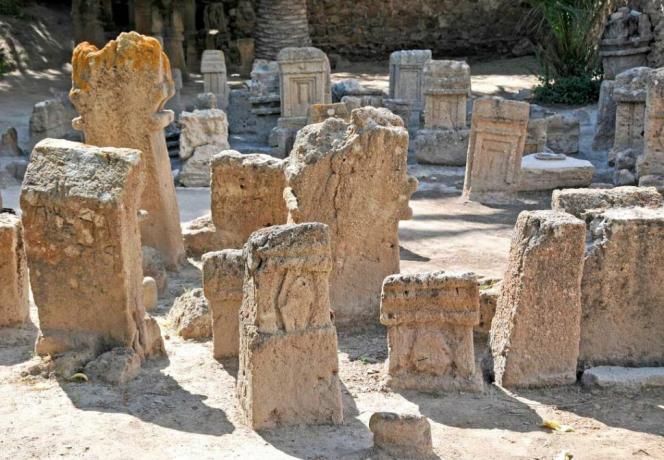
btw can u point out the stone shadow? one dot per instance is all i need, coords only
(153, 397)
(17, 344)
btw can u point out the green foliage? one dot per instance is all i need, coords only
(577, 90)
(567, 52)
(11, 7)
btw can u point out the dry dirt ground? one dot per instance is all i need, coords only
(183, 406)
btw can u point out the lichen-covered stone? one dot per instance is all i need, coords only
(288, 345)
(430, 319)
(353, 177)
(223, 276)
(80, 213)
(14, 287)
(247, 195)
(120, 93)
(536, 328)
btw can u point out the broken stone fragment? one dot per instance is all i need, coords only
(401, 436)
(190, 316)
(202, 127)
(115, 367)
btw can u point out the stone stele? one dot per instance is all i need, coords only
(80, 213)
(354, 178)
(14, 287)
(430, 319)
(497, 140)
(120, 93)
(289, 368)
(535, 331)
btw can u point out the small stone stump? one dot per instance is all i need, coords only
(120, 93)
(247, 195)
(623, 289)
(304, 75)
(497, 140)
(288, 345)
(223, 276)
(14, 287)
(444, 139)
(406, 83)
(430, 319)
(401, 436)
(535, 331)
(213, 68)
(80, 212)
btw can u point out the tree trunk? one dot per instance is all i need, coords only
(281, 23)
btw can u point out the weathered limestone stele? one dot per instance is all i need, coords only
(223, 276)
(625, 41)
(247, 195)
(401, 436)
(288, 370)
(430, 319)
(353, 177)
(578, 201)
(606, 117)
(444, 139)
(623, 289)
(304, 75)
(535, 331)
(120, 93)
(215, 80)
(406, 86)
(497, 140)
(80, 213)
(650, 167)
(14, 288)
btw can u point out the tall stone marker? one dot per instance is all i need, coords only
(650, 167)
(535, 331)
(80, 212)
(444, 139)
(215, 79)
(430, 319)
(497, 140)
(354, 178)
(623, 289)
(288, 345)
(120, 93)
(14, 287)
(304, 80)
(406, 82)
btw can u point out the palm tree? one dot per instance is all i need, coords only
(279, 24)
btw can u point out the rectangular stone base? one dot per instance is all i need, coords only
(447, 147)
(537, 174)
(432, 383)
(280, 384)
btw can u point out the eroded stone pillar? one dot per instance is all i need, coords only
(223, 276)
(535, 331)
(353, 177)
(14, 288)
(304, 80)
(247, 195)
(80, 212)
(406, 82)
(213, 68)
(650, 166)
(444, 139)
(430, 319)
(120, 93)
(288, 345)
(497, 140)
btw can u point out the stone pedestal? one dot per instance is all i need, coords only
(288, 371)
(304, 80)
(535, 331)
(223, 275)
(120, 93)
(549, 171)
(430, 319)
(444, 139)
(213, 68)
(497, 139)
(84, 247)
(406, 81)
(354, 178)
(14, 288)
(247, 195)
